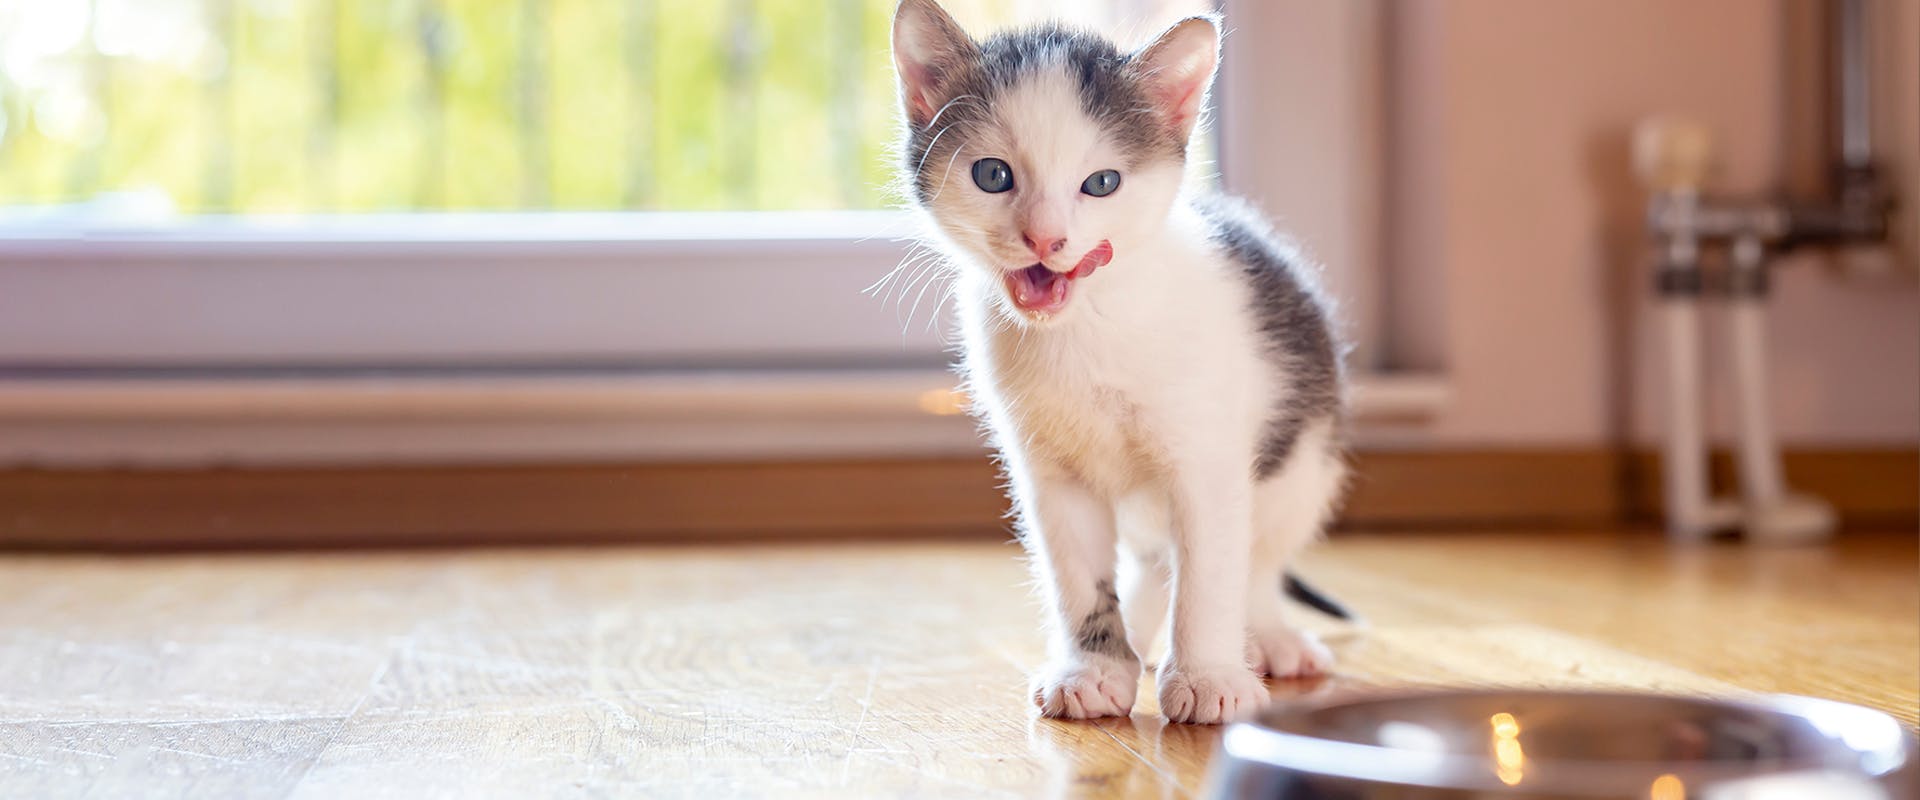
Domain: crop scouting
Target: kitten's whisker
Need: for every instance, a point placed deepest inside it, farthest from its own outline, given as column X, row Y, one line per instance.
column 884, row 287
column 957, row 100
column 948, row 172
column 928, row 153
column 922, row 273
column 928, row 284
column 943, row 131
column 926, row 272
column 891, row 274
column 939, row 302
column 916, row 255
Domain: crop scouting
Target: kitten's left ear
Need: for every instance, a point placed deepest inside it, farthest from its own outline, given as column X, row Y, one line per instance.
column 1177, row 68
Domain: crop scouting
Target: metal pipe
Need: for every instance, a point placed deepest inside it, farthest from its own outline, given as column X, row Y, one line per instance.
column 1684, row 460
column 1852, row 88
column 1759, row 452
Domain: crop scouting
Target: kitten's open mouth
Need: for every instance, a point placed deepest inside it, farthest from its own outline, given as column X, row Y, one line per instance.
column 1040, row 290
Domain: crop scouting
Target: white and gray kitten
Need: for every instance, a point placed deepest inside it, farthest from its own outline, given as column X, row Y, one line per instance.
column 1158, row 370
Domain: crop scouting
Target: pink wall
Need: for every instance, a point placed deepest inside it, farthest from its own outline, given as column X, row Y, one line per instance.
column 1513, row 202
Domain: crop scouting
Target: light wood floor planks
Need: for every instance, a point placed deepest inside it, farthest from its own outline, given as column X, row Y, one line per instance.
column 829, row 671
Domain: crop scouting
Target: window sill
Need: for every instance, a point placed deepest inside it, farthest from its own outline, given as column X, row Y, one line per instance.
column 721, row 288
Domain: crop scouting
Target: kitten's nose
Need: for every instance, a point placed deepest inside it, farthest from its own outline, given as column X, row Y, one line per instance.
column 1043, row 245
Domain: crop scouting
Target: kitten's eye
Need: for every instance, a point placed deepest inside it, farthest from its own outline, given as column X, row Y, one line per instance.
column 1102, row 183
column 992, row 175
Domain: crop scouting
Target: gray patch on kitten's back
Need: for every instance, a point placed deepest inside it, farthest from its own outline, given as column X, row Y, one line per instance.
column 1296, row 318
column 1111, row 94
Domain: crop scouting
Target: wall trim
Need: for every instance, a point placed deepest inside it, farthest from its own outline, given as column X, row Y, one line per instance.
column 535, row 504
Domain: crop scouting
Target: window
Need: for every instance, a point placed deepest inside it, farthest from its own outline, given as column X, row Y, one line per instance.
column 356, row 106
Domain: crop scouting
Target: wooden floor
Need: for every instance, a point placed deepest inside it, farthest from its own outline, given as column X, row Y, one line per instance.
column 831, row 670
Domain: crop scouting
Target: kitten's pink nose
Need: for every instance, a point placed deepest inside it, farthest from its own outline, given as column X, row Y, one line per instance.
column 1042, row 244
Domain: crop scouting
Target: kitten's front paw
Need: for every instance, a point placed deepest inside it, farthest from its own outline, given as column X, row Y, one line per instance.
column 1094, row 687
column 1210, row 695
column 1287, row 652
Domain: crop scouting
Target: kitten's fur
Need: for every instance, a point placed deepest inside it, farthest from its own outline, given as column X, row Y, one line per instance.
column 1184, row 405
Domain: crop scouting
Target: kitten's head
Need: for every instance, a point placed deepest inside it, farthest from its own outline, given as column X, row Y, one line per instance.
column 1043, row 153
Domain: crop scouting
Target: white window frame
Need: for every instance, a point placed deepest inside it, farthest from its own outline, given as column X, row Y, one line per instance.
column 438, row 337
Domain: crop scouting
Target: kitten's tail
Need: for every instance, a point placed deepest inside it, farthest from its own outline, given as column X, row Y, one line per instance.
column 1317, row 600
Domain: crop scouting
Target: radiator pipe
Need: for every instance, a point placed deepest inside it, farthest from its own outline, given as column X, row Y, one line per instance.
column 1673, row 159
column 1852, row 90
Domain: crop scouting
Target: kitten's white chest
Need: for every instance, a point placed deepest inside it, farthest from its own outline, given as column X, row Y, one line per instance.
column 1073, row 403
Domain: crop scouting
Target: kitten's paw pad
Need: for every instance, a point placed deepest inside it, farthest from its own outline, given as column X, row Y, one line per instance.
column 1086, row 689
column 1289, row 653
column 1210, row 696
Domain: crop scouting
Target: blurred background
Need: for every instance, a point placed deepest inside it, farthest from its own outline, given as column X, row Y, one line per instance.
column 466, row 270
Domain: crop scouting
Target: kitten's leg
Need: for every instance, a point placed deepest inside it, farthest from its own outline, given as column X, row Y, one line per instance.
column 1091, row 672
column 1291, row 509
column 1145, row 575
column 1275, row 647
column 1143, row 597
column 1205, row 677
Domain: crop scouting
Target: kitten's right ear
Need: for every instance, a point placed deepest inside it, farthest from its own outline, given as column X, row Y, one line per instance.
column 928, row 47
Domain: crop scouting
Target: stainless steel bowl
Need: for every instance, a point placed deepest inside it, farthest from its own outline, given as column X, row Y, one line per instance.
column 1541, row 744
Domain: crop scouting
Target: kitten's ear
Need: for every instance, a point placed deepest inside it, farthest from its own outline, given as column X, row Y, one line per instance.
column 928, row 46
column 1177, row 68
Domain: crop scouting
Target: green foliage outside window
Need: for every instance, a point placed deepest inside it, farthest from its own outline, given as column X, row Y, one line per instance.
column 393, row 105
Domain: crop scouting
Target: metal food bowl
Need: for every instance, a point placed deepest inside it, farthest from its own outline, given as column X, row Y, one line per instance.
column 1544, row 744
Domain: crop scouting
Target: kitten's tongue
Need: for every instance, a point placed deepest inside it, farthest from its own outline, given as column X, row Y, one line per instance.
column 1094, row 259
column 1038, row 289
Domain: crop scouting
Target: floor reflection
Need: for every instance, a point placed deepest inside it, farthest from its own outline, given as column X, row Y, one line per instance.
column 1141, row 755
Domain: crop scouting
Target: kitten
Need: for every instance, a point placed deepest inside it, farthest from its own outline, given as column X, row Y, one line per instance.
column 1158, row 370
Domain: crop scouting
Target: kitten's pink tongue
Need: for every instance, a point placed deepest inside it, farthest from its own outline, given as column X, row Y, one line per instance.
column 1042, row 290
column 1094, row 259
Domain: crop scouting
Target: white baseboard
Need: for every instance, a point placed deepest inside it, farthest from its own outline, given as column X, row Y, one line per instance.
column 198, row 422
